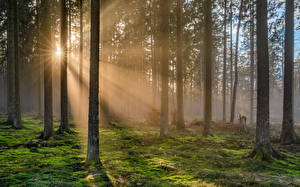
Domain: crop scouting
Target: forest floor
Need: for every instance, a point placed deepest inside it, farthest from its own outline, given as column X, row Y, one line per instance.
column 133, row 154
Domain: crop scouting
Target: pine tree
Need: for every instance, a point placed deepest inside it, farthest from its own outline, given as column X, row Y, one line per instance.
column 164, row 59
column 288, row 134
column 208, row 66
column 46, row 49
column 93, row 123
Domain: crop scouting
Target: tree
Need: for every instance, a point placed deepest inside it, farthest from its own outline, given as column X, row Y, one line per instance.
column 224, row 61
column 46, row 51
column 236, row 77
column 64, row 124
column 81, row 47
column 10, row 62
column 251, row 60
column 231, row 49
column 14, row 115
column 207, row 66
column 288, row 134
column 164, row 60
column 155, row 50
column 93, row 122
column 179, row 68
column 38, row 59
column 263, row 149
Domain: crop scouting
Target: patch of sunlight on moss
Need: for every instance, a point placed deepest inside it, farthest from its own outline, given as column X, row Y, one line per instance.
column 239, row 152
column 216, row 139
column 187, row 180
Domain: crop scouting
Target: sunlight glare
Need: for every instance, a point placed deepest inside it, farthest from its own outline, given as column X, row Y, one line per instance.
column 58, row 51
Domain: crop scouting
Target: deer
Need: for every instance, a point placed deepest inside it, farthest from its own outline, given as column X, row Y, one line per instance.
column 242, row 121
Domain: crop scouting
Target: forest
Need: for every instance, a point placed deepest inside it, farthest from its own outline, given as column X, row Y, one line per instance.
column 149, row 93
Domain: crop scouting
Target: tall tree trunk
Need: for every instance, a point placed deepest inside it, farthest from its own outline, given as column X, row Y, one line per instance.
column 81, row 54
column 231, row 50
column 70, row 46
column 224, row 62
column 179, row 67
column 14, row 110
column 155, row 55
column 208, row 66
column 17, row 122
column 10, row 63
column 45, row 36
column 93, row 123
column 252, row 62
column 164, row 59
column 64, row 125
column 263, row 149
column 38, row 60
column 288, row 134
column 236, row 77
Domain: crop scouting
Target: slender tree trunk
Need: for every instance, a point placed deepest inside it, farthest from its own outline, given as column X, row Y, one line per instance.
column 14, row 110
column 179, row 67
column 231, row 49
column 262, row 149
column 38, row 60
column 64, row 125
column 164, row 41
column 252, row 62
column 155, row 55
column 81, row 54
column 10, row 63
column 45, row 36
column 17, row 122
column 288, row 134
column 236, row 78
column 224, row 62
column 208, row 66
column 17, row 118
column 70, row 46
column 93, row 123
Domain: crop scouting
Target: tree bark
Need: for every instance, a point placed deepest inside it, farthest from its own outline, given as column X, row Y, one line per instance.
column 64, row 124
column 38, row 60
column 231, row 50
column 263, row 149
column 236, row 76
column 224, row 62
column 252, row 62
column 81, row 54
column 10, row 63
column 14, row 110
column 45, row 36
column 179, row 67
column 17, row 123
column 164, row 59
column 93, row 122
column 155, row 55
column 288, row 134
column 208, row 66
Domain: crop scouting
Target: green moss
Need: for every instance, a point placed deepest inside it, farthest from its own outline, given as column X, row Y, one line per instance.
column 136, row 156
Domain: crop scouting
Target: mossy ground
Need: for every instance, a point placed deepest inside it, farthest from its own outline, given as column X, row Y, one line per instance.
column 133, row 154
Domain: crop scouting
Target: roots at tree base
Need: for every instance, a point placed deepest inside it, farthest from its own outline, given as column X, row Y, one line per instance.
column 265, row 153
column 289, row 137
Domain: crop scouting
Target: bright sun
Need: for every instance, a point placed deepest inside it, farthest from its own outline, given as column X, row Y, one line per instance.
column 58, row 51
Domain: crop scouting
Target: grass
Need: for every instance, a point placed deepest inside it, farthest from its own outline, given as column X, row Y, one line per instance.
column 133, row 154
